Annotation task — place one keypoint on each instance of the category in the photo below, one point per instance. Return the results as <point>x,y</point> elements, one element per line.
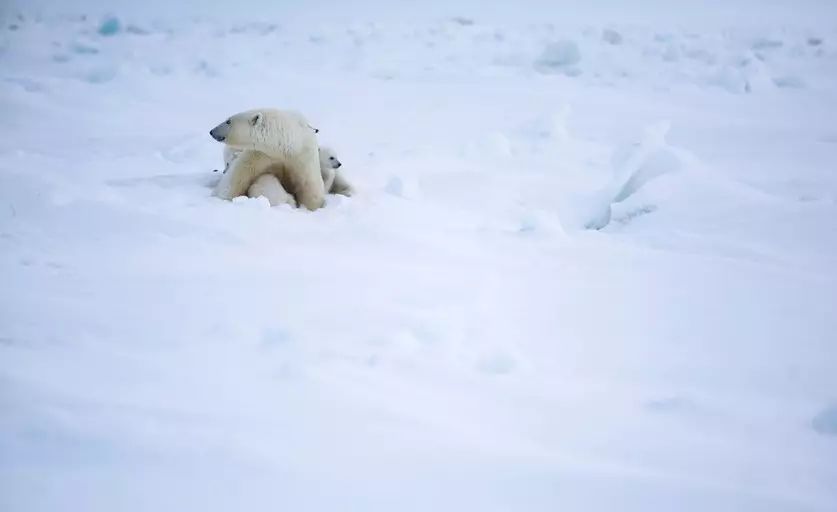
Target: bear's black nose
<point>338,165</point>
<point>215,135</point>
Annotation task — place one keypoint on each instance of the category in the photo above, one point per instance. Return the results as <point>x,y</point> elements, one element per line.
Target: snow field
<point>587,269</point>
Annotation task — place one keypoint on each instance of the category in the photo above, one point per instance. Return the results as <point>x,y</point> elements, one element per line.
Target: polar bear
<point>279,142</point>
<point>333,180</point>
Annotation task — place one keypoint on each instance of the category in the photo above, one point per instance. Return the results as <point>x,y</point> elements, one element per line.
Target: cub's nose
<point>338,165</point>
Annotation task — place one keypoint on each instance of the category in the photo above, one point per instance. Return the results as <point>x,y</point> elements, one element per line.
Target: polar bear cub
<point>269,187</point>
<point>272,141</point>
<point>333,180</point>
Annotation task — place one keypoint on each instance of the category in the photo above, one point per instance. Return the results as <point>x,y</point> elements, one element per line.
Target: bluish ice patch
<point>497,363</point>
<point>100,75</point>
<point>560,57</point>
<point>109,26</point>
<point>28,84</point>
<point>133,29</point>
<point>276,336</point>
<point>84,49</point>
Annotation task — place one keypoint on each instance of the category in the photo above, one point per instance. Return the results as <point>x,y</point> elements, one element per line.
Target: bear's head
<point>328,158</point>
<point>246,130</point>
<point>260,129</point>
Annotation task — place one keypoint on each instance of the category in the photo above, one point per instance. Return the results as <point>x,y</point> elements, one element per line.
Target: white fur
<point>273,141</point>
<point>341,186</point>
<point>333,179</point>
<point>229,155</point>
<point>269,186</point>
<point>328,166</point>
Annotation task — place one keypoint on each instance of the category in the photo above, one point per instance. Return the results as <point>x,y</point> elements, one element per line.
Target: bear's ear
<point>255,119</point>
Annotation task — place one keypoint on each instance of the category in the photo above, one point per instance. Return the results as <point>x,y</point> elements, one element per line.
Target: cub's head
<point>328,158</point>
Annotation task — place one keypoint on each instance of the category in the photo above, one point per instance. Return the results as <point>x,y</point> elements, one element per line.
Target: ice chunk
<point>560,57</point>
<point>109,26</point>
<point>628,162</point>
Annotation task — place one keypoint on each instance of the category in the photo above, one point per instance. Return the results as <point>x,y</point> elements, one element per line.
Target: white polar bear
<point>273,141</point>
<point>333,180</point>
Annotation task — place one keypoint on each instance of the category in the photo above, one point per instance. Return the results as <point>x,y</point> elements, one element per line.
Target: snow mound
<point>611,36</point>
<point>585,203</point>
<point>825,422</point>
<point>560,56</point>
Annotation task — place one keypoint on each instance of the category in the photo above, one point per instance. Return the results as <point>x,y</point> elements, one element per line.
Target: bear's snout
<point>220,132</point>
<point>215,135</point>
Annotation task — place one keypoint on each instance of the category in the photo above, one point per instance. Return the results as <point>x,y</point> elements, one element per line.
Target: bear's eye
<point>229,121</point>
<point>331,158</point>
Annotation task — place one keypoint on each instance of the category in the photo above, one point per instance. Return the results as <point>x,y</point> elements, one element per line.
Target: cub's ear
<point>255,119</point>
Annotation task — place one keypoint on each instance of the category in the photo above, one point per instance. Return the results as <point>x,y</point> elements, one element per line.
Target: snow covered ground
<point>592,265</point>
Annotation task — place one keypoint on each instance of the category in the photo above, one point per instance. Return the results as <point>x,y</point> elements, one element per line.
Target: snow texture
<point>825,422</point>
<point>591,264</point>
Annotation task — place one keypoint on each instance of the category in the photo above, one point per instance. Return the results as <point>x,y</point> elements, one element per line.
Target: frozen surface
<point>592,265</point>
